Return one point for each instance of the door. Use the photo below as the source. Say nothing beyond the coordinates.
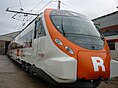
(39, 40)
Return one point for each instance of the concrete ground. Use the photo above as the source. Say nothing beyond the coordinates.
(11, 76)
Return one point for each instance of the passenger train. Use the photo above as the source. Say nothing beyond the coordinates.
(64, 48)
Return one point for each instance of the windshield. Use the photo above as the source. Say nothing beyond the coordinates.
(77, 28)
(66, 24)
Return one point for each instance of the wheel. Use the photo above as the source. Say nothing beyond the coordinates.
(23, 66)
(32, 73)
(27, 67)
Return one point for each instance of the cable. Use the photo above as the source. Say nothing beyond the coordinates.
(30, 10)
(68, 6)
(20, 3)
(24, 5)
(42, 8)
(45, 6)
(23, 23)
(36, 6)
(16, 24)
(19, 25)
(14, 16)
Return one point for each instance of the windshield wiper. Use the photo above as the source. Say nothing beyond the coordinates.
(81, 34)
(101, 36)
(62, 27)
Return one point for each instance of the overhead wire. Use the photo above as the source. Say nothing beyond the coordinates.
(45, 6)
(24, 5)
(20, 3)
(68, 6)
(19, 18)
(16, 24)
(36, 5)
(21, 9)
(14, 16)
(42, 8)
(32, 10)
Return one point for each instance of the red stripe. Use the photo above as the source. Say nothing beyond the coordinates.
(114, 27)
(116, 40)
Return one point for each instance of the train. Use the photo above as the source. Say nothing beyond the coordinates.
(63, 48)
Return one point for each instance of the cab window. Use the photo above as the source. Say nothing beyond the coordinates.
(39, 29)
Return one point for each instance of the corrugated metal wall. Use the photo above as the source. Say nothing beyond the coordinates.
(2, 46)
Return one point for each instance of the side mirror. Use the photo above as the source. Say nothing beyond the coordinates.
(97, 25)
(101, 34)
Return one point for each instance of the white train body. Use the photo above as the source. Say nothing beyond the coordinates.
(46, 56)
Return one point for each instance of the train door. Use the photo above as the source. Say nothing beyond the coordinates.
(35, 39)
(41, 42)
(38, 41)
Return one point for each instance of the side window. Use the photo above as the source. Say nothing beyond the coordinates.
(25, 40)
(42, 33)
(39, 29)
(111, 45)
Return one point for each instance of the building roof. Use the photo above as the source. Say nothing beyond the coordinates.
(9, 36)
(116, 12)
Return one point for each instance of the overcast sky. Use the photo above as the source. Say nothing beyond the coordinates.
(91, 8)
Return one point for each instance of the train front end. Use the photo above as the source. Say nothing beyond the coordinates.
(76, 36)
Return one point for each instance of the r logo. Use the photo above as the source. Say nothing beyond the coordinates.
(97, 61)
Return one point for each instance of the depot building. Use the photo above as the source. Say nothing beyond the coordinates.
(108, 25)
(5, 40)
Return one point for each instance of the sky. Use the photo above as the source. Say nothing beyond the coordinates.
(90, 8)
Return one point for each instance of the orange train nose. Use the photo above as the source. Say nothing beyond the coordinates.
(92, 65)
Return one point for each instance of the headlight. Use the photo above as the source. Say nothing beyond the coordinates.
(58, 41)
(69, 50)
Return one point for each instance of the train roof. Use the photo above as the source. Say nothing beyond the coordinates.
(56, 12)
